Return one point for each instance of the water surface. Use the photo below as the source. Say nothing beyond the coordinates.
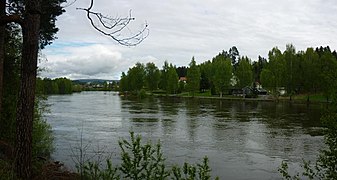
(243, 140)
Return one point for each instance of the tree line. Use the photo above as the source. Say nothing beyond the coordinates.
(308, 72)
(54, 86)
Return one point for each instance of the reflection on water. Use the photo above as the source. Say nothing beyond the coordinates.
(243, 140)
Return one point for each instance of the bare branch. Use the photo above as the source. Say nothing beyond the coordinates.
(69, 3)
(115, 27)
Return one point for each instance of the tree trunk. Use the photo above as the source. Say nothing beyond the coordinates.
(25, 108)
(2, 50)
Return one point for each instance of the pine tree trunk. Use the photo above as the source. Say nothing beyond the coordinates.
(2, 50)
(25, 108)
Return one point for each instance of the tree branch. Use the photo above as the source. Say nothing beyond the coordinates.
(11, 18)
(115, 27)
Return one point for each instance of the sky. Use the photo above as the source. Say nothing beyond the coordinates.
(181, 29)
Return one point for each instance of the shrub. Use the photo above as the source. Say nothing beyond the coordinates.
(143, 161)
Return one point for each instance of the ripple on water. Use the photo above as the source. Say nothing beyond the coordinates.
(243, 140)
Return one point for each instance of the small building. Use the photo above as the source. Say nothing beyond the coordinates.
(183, 79)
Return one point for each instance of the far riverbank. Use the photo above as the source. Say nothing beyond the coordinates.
(295, 99)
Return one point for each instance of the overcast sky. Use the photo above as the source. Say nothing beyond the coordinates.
(180, 29)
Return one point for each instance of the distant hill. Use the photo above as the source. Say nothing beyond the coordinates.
(93, 81)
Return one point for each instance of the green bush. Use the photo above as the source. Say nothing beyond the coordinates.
(143, 161)
(42, 132)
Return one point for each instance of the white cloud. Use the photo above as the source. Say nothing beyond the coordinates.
(182, 29)
(87, 61)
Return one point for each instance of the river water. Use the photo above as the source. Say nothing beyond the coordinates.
(243, 140)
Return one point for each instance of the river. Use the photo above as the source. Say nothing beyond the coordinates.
(243, 140)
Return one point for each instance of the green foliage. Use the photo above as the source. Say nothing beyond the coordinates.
(42, 132)
(310, 73)
(258, 66)
(310, 70)
(206, 75)
(152, 76)
(50, 9)
(6, 170)
(172, 80)
(272, 77)
(134, 79)
(11, 83)
(234, 54)
(193, 77)
(222, 74)
(268, 79)
(141, 94)
(136, 76)
(328, 74)
(244, 73)
(291, 68)
(123, 83)
(144, 161)
(327, 161)
(55, 86)
(93, 170)
(190, 172)
(164, 76)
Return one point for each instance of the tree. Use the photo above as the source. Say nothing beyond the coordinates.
(25, 108)
(328, 74)
(234, 55)
(291, 68)
(206, 74)
(164, 76)
(123, 83)
(222, 69)
(258, 67)
(37, 21)
(64, 86)
(14, 10)
(193, 77)
(272, 76)
(311, 70)
(172, 80)
(11, 80)
(244, 72)
(181, 71)
(268, 80)
(136, 76)
(2, 49)
(152, 75)
(28, 15)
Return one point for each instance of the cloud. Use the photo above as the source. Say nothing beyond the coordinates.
(182, 29)
(84, 61)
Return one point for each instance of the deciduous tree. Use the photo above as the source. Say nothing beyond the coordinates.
(172, 80)
(222, 69)
(136, 76)
(152, 76)
(244, 72)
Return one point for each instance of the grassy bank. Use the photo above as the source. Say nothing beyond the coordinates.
(300, 98)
